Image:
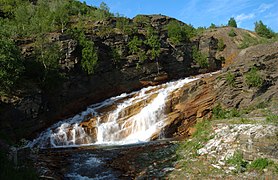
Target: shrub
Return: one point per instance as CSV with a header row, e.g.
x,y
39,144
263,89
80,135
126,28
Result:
x,y
11,65
153,42
253,78
230,78
263,31
89,52
212,26
220,45
175,33
238,162
248,40
178,33
199,58
259,164
232,22
141,20
232,33
272,118
219,113
134,45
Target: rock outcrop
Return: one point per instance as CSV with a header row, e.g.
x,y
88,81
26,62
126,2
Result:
x,y
36,107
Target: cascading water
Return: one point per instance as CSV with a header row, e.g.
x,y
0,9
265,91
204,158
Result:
x,y
125,119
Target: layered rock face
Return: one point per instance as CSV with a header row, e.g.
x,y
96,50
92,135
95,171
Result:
x,y
35,108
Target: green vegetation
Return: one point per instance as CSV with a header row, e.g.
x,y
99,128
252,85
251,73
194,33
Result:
x,y
135,48
259,164
238,162
141,21
263,31
232,33
272,118
220,113
178,33
199,58
253,78
153,42
89,51
11,65
232,22
230,78
198,139
220,45
249,40
212,26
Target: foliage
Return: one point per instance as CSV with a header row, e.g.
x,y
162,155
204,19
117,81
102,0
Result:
x,y
237,161
220,113
199,138
272,118
89,52
199,58
232,33
135,48
232,22
11,65
154,43
263,31
259,164
141,20
248,41
230,78
178,33
253,78
125,26
134,45
220,45
101,13
212,26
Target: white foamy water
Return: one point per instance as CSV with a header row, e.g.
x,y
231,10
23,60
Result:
x,y
121,125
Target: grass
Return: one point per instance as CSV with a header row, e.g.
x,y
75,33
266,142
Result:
x,y
220,113
199,138
260,164
238,162
253,78
272,119
230,78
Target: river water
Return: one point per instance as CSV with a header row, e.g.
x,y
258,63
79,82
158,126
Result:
x,y
71,150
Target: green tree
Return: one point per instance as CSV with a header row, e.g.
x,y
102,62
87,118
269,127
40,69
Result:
x,y
263,31
89,52
60,13
232,22
212,26
134,45
199,58
153,42
232,33
10,65
175,32
220,45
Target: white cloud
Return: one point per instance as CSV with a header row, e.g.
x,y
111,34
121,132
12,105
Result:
x,y
263,7
243,17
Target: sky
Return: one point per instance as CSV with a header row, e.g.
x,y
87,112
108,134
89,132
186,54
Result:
x,y
201,12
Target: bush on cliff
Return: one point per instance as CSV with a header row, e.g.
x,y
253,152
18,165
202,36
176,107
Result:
x,y
11,65
178,33
89,52
199,58
263,31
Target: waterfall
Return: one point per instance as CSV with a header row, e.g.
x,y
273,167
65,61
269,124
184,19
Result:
x,y
128,118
